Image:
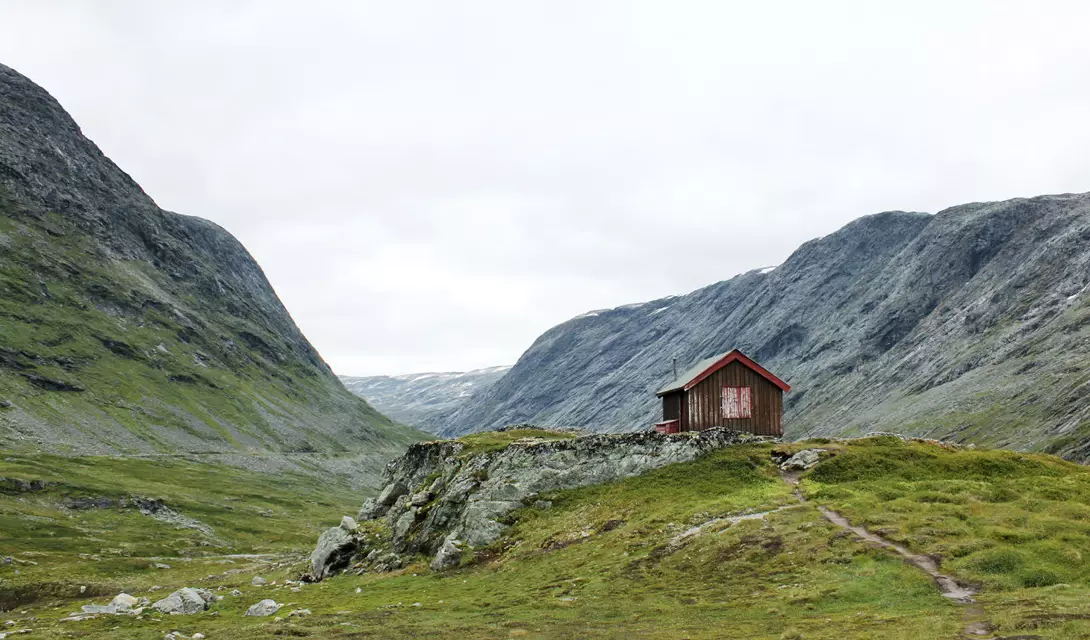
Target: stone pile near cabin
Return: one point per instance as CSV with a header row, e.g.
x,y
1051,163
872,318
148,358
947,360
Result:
x,y
441,500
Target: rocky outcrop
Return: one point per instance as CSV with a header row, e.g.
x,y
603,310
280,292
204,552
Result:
x,y
441,500
95,278
938,325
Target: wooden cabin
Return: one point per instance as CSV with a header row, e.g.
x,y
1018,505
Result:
x,y
728,390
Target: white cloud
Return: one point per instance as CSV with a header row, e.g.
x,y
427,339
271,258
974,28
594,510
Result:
x,y
431,185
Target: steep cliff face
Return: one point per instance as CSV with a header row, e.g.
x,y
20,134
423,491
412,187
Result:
x,y
971,323
126,328
423,400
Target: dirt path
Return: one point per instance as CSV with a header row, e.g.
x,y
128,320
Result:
x,y
974,617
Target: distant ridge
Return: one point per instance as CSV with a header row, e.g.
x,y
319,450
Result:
x,y
423,400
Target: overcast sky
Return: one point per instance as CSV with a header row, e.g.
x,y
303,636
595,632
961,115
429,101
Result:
x,y
431,185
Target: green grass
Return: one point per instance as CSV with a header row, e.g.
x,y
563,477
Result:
x,y
58,549
158,357
598,562
489,441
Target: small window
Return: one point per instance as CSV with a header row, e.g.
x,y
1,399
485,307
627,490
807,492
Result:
x,y
737,403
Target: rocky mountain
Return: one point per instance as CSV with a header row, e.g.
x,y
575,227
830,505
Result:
x,y
125,328
972,323
423,400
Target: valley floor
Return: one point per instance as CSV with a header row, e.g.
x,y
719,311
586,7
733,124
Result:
x,y
663,555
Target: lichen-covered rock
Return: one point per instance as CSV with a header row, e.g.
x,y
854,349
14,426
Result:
x,y
185,601
803,460
334,552
449,554
266,607
467,497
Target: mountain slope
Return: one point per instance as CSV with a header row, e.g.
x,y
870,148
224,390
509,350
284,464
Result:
x,y
423,400
971,323
126,328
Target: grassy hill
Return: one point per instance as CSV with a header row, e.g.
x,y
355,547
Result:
x,y
614,560
128,329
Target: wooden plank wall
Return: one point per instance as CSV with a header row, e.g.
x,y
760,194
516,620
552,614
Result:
x,y
705,402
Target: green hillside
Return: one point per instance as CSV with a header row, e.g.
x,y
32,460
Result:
x,y
127,329
603,561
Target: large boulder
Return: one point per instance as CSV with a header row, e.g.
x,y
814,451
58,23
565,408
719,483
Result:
x,y
336,547
803,460
185,601
449,554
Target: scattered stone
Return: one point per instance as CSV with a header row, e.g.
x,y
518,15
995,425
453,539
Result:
x,y
803,460
160,565
348,523
14,632
266,607
155,587
185,601
299,612
198,636
236,592
123,604
258,581
420,499
124,601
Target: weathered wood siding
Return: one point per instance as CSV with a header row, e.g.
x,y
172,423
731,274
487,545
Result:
x,y
704,402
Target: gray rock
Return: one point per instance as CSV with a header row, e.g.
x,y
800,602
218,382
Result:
x,y
420,499
449,554
236,592
403,525
334,551
266,607
295,613
391,492
258,581
185,601
803,460
348,524
124,601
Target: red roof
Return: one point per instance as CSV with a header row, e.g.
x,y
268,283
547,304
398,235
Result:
x,y
694,378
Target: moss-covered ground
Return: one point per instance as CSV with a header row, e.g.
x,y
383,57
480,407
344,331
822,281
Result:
x,y
602,561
